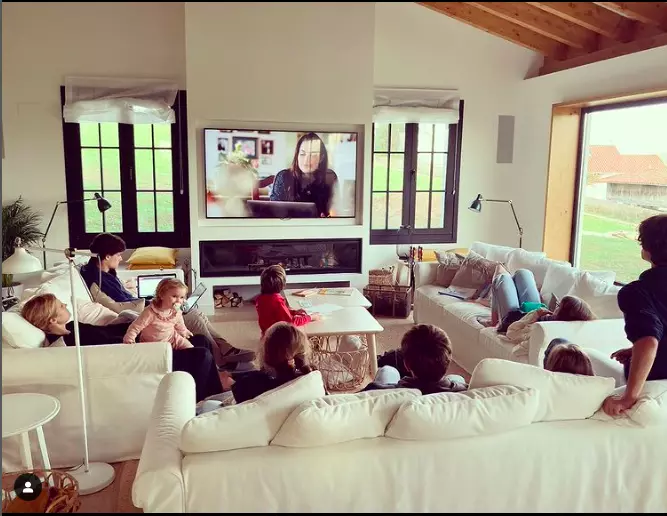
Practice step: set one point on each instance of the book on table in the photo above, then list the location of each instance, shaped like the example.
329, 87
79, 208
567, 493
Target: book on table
306, 292
335, 292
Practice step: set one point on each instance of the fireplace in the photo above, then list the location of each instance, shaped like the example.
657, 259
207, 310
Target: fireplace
250, 257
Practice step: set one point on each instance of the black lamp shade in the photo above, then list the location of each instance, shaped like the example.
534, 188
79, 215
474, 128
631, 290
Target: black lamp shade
102, 204
476, 205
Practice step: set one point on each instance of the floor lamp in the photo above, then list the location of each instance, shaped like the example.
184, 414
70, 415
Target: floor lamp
91, 476
476, 206
102, 205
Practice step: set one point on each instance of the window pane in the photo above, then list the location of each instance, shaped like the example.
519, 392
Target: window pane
438, 210
624, 182
142, 135
396, 165
397, 137
165, 211
109, 134
425, 138
113, 217
395, 218
380, 172
93, 217
441, 137
143, 165
162, 135
146, 212
90, 163
163, 170
423, 171
421, 210
90, 135
381, 137
379, 207
439, 171
111, 169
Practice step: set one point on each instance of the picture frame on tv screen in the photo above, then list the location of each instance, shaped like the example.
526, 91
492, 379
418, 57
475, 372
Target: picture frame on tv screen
280, 174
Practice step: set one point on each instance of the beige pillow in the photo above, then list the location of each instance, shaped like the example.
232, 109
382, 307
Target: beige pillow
100, 297
475, 272
448, 265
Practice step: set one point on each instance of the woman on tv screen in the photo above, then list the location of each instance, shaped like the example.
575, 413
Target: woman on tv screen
309, 179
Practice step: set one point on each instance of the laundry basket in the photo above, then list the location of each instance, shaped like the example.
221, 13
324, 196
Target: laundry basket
341, 370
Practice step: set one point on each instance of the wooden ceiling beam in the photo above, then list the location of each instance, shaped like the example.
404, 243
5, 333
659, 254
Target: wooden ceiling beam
542, 22
652, 13
552, 65
590, 16
499, 27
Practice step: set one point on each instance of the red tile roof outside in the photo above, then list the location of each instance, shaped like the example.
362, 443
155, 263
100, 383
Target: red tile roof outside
607, 165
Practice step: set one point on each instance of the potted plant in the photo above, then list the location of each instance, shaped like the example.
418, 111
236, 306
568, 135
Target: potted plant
18, 221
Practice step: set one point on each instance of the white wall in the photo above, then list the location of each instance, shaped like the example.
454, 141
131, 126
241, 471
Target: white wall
293, 66
41, 45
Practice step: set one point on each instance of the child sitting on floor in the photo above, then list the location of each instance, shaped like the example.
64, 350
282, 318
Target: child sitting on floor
426, 354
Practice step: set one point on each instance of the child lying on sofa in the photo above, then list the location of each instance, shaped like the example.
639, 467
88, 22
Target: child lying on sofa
424, 357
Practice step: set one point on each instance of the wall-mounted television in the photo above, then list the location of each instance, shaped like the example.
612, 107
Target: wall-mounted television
280, 174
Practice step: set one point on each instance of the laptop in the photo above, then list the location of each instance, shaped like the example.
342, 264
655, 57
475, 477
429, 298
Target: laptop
191, 302
147, 283
282, 209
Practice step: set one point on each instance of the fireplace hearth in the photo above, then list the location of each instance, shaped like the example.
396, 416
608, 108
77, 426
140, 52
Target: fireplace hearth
250, 257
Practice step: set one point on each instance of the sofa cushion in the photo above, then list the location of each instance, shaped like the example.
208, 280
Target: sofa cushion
560, 278
475, 412
57, 282
650, 409
535, 262
19, 333
496, 253
601, 295
448, 265
475, 272
156, 256
342, 417
563, 396
251, 423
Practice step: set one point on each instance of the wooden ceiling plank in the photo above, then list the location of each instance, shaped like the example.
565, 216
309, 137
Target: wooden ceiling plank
588, 15
551, 65
541, 22
652, 13
498, 27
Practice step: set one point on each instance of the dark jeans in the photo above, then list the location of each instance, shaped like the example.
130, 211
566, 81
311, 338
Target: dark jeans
199, 363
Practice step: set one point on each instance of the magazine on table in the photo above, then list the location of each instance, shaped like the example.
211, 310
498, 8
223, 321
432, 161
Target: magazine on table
335, 292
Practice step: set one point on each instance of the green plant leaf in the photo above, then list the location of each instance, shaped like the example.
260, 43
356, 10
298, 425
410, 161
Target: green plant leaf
19, 221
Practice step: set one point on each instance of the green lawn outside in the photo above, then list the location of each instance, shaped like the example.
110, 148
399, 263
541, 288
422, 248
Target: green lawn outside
108, 169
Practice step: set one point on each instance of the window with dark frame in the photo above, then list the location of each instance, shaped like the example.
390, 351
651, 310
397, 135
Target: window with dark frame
414, 183
140, 169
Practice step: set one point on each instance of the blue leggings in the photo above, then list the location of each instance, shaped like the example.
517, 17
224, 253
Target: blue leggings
509, 292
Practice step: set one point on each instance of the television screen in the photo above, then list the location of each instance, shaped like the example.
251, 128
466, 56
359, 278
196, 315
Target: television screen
280, 174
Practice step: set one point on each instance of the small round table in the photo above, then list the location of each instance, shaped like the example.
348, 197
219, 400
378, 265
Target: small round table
24, 412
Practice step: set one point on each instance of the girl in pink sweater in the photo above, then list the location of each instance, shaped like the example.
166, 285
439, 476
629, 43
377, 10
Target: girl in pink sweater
162, 320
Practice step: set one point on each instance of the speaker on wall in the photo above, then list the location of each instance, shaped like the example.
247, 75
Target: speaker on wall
505, 150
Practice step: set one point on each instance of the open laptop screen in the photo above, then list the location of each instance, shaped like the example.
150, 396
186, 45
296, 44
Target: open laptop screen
146, 284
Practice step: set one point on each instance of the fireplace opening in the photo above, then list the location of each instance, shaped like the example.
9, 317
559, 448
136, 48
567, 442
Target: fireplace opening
250, 257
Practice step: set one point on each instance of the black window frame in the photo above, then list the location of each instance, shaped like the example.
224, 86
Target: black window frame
180, 237
405, 234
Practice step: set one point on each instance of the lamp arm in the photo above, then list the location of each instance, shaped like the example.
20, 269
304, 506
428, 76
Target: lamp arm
516, 219
48, 228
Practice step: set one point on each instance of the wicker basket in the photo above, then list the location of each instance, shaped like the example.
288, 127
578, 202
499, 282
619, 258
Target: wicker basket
62, 489
341, 370
392, 300
381, 276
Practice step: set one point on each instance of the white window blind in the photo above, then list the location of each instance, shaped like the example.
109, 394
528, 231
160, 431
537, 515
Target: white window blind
407, 105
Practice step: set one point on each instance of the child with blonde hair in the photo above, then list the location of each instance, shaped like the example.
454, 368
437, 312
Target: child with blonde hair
162, 319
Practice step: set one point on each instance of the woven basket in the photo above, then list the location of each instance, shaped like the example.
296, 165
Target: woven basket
341, 370
62, 488
383, 276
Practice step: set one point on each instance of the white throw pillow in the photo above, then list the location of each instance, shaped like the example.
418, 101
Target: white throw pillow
537, 263
339, 418
599, 294
563, 396
450, 415
58, 284
252, 423
561, 277
650, 409
495, 253
19, 333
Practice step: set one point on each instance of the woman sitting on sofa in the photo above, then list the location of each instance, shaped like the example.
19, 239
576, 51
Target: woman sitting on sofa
50, 315
109, 248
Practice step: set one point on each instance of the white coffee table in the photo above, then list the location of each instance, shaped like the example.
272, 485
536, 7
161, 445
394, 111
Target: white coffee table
355, 299
24, 412
353, 320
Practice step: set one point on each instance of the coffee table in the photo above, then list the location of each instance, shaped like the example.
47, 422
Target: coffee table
355, 299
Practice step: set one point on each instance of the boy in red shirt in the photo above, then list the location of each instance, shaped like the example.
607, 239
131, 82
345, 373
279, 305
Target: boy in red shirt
270, 304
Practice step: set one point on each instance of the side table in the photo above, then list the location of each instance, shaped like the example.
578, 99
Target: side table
24, 412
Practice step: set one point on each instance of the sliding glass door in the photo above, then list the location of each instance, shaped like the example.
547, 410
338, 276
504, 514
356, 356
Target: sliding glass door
622, 181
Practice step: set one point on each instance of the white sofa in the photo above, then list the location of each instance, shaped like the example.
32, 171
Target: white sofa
541, 445
121, 382
471, 342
